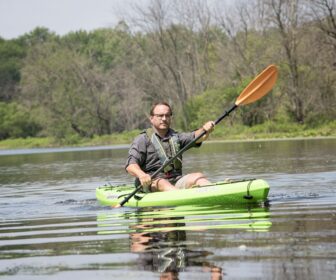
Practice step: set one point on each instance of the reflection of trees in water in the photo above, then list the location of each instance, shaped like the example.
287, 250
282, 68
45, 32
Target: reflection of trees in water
165, 250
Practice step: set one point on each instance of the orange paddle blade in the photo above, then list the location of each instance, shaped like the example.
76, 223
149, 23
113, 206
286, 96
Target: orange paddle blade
258, 87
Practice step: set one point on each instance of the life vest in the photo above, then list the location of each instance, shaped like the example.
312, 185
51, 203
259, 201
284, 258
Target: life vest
174, 144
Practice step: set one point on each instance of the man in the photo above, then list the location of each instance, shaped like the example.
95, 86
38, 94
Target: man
152, 148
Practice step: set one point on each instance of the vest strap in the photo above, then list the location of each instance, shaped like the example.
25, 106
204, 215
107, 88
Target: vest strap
174, 146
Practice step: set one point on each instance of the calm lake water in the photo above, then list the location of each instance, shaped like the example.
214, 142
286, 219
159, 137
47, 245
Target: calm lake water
51, 226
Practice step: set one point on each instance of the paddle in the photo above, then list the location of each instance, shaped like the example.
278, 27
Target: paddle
255, 90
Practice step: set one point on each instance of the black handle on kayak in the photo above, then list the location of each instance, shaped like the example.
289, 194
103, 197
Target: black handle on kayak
127, 198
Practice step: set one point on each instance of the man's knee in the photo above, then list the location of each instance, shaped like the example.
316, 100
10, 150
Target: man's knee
200, 179
161, 184
194, 178
197, 177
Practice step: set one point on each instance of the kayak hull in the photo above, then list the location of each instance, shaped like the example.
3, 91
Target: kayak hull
220, 193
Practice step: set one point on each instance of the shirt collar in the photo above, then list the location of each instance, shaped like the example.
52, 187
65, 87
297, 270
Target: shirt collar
167, 136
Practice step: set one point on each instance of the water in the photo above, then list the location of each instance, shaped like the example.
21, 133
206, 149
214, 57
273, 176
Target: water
51, 226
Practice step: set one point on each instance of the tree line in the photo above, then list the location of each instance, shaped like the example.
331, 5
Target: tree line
196, 55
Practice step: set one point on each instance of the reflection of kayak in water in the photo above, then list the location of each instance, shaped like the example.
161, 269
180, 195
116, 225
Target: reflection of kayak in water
221, 193
164, 237
185, 218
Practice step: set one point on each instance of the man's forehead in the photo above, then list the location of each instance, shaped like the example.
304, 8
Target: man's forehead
161, 107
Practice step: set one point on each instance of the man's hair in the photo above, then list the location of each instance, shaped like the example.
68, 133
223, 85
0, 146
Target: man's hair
160, 103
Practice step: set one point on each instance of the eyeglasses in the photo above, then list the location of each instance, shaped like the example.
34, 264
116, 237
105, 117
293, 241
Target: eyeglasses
160, 116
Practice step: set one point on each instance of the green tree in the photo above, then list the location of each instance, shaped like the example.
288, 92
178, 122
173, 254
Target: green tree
117, 54
71, 92
198, 108
16, 122
11, 56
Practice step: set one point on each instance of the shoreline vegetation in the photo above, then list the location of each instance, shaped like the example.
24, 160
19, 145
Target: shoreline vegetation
94, 88
267, 131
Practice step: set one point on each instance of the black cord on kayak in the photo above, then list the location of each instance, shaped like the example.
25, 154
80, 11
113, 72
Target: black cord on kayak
248, 196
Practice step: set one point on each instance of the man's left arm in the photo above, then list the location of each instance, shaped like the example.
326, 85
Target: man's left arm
208, 127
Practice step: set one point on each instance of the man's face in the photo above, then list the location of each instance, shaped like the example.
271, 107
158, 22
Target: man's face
161, 117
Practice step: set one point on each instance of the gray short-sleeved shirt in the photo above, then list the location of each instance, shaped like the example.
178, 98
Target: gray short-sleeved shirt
143, 153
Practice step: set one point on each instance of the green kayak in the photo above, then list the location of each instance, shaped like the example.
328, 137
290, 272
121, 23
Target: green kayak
230, 192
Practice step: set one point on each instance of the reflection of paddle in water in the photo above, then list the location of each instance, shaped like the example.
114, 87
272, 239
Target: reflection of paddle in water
167, 251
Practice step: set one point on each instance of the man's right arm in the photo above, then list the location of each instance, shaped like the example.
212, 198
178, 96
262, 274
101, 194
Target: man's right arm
135, 170
136, 158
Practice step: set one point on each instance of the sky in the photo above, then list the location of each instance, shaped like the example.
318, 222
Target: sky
18, 17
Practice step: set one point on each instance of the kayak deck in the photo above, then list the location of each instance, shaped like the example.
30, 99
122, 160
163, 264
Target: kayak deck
227, 193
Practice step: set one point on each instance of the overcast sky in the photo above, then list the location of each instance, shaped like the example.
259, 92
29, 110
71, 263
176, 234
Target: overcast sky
60, 16
18, 17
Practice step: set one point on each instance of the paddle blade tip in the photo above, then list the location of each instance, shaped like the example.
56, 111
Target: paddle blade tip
259, 86
116, 206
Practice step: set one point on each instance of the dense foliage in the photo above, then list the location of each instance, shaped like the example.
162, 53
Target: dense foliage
195, 56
